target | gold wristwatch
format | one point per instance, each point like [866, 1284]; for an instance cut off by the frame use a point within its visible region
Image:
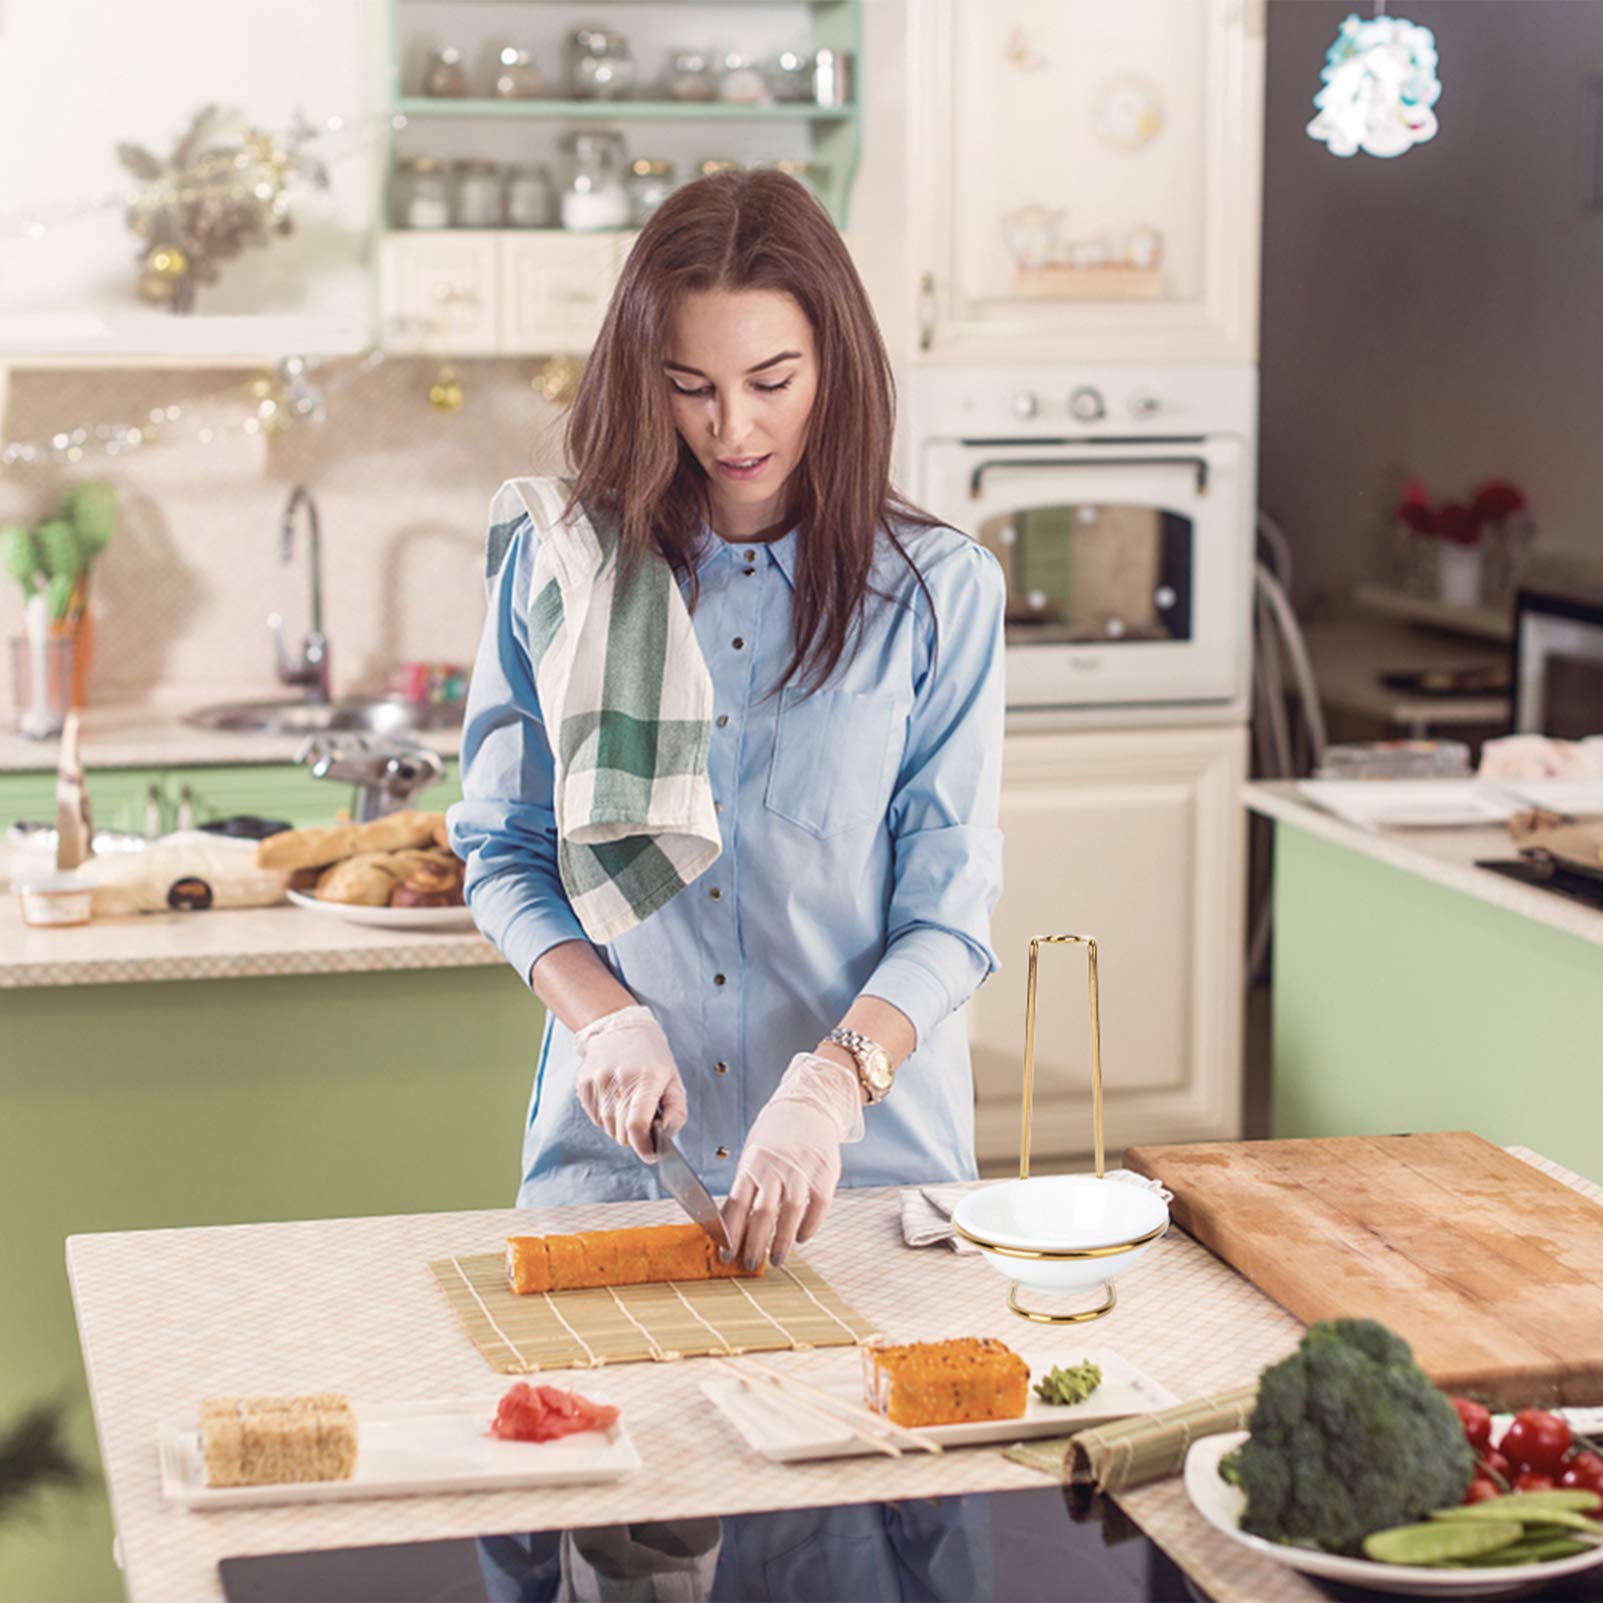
[875, 1071]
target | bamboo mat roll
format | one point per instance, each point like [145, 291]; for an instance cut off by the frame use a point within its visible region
[790, 1308]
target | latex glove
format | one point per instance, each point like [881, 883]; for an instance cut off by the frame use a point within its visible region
[626, 1069]
[790, 1165]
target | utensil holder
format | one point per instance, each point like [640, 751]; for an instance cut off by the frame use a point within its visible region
[1062, 1254]
[58, 679]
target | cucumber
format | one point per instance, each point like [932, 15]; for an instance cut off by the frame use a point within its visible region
[1529, 1553]
[1432, 1543]
[1514, 1505]
[1498, 1509]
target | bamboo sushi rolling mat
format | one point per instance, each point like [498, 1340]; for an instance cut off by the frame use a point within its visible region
[792, 1309]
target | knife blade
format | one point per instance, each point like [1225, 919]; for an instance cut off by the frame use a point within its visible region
[682, 1183]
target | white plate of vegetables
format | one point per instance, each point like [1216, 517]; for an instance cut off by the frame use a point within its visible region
[1358, 1470]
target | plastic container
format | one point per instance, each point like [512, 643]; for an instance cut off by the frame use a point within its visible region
[55, 901]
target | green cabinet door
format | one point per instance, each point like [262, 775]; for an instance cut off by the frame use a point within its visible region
[117, 798]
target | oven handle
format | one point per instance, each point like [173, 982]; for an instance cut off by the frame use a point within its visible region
[977, 477]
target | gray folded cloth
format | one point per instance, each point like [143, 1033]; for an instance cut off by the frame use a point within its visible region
[927, 1210]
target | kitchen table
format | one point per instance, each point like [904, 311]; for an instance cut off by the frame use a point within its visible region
[166, 1317]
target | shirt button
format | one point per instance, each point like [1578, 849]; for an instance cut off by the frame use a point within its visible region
[716, 894]
[718, 979]
[738, 643]
[751, 556]
[720, 1067]
[748, 571]
[723, 1152]
[723, 720]
[717, 807]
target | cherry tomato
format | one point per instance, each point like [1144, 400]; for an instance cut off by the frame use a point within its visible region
[1530, 1481]
[1493, 1461]
[1477, 1423]
[1480, 1489]
[1536, 1440]
[1583, 1473]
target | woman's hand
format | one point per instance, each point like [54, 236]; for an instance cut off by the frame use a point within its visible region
[790, 1165]
[626, 1069]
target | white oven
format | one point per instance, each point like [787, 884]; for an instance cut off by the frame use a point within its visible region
[1120, 506]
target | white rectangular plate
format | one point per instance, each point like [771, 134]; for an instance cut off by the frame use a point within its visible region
[785, 1431]
[410, 1448]
[1412, 803]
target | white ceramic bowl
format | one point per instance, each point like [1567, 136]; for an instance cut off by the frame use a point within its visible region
[1057, 1213]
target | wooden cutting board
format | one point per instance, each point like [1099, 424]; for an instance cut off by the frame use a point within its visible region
[1490, 1269]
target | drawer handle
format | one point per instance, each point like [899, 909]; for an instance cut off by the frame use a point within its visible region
[452, 295]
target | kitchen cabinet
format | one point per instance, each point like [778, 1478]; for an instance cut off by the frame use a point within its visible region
[555, 288]
[1135, 838]
[118, 74]
[439, 292]
[1084, 180]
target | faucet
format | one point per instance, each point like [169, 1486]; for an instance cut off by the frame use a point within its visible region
[311, 671]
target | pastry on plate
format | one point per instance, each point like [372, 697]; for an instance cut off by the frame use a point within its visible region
[367, 880]
[291, 849]
[946, 1382]
[266, 1441]
[396, 831]
[430, 884]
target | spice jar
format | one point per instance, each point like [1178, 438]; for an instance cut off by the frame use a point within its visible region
[600, 65]
[791, 77]
[716, 164]
[531, 197]
[478, 193]
[690, 77]
[741, 82]
[445, 78]
[650, 184]
[812, 173]
[516, 77]
[832, 77]
[420, 193]
[593, 194]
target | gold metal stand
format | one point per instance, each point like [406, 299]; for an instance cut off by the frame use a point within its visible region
[1065, 1254]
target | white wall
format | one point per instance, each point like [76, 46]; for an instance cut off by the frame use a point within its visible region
[1440, 313]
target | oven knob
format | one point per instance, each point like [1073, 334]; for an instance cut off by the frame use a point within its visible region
[1025, 404]
[1145, 404]
[1087, 405]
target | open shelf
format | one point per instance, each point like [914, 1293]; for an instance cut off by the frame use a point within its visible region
[625, 110]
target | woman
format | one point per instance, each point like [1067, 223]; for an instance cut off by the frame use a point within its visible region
[735, 422]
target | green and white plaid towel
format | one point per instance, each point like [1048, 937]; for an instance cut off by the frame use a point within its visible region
[627, 700]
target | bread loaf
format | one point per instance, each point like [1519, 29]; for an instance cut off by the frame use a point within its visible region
[395, 831]
[367, 880]
[306, 848]
[946, 1382]
[615, 1258]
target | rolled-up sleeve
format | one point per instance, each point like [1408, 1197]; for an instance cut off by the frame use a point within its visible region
[505, 827]
[943, 812]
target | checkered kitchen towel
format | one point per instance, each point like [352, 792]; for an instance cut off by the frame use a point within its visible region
[625, 691]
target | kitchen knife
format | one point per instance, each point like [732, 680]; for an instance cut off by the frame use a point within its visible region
[681, 1183]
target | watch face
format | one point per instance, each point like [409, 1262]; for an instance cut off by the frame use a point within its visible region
[877, 1070]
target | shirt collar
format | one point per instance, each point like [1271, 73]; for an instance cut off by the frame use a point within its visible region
[783, 549]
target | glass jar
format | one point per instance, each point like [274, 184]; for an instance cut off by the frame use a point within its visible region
[814, 174]
[531, 197]
[690, 77]
[478, 193]
[516, 76]
[832, 77]
[741, 82]
[716, 164]
[593, 193]
[445, 78]
[791, 77]
[420, 193]
[650, 184]
[600, 65]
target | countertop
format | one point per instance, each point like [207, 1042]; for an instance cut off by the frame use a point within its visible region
[166, 1317]
[1446, 856]
[233, 943]
[158, 737]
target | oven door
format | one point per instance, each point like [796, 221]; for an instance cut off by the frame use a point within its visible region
[1126, 564]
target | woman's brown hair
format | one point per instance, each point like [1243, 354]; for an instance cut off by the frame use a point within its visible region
[748, 231]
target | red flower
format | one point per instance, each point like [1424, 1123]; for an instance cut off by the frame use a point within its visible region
[1416, 516]
[1456, 522]
[1495, 499]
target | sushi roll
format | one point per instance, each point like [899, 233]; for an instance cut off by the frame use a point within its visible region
[946, 1382]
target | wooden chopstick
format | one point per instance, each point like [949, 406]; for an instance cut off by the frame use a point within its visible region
[772, 1382]
[859, 1418]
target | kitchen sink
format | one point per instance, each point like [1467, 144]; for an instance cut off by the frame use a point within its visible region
[374, 716]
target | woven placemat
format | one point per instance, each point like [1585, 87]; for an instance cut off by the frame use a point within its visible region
[792, 1308]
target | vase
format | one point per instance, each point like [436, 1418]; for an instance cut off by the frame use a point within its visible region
[1458, 574]
[77, 636]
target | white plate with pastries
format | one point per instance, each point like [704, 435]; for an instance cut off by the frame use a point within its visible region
[387, 918]
[406, 1449]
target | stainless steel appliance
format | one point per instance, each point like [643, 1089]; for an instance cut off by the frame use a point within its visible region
[1558, 662]
[1120, 505]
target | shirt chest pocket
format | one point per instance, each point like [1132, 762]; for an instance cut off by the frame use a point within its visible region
[836, 757]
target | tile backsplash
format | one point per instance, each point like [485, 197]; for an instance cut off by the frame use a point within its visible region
[181, 597]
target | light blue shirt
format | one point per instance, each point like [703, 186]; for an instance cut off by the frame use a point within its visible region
[860, 853]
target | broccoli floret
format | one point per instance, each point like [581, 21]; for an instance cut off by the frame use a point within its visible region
[1349, 1436]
